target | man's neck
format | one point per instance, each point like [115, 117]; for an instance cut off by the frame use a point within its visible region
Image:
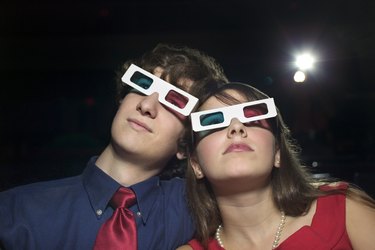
[121, 169]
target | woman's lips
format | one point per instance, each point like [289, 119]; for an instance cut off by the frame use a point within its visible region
[238, 147]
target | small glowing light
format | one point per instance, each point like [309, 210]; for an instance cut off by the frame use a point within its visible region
[314, 164]
[305, 61]
[299, 76]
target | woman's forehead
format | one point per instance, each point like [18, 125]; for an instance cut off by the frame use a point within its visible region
[215, 102]
[236, 94]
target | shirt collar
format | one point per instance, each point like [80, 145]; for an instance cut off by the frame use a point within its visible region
[100, 188]
[147, 193]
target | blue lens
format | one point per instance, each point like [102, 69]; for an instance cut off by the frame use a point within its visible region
[211, 119]
[141, 80]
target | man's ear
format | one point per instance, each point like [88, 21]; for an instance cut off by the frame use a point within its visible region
[277, 159]
[181, 155]
[196, 167]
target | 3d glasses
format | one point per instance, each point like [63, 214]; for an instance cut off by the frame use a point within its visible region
[169, 95]
[244, 112]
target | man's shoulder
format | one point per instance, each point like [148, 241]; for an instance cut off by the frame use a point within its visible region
[174, 187]
[43, 188]
[175, 182]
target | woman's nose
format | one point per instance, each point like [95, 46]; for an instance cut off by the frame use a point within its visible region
[236, 128]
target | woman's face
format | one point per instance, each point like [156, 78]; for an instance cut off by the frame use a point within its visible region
[237, 152]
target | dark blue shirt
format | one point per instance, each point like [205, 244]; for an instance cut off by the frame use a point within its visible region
[67, 213]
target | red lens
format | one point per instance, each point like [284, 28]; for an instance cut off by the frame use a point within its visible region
[176, 99]
[255, 110]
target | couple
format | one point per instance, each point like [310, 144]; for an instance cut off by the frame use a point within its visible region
[245, 186]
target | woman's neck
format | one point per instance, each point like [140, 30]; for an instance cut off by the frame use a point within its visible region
[250, 219]
[247, 208]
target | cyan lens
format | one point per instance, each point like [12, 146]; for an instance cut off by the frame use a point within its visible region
[212, 118]
[141, 80]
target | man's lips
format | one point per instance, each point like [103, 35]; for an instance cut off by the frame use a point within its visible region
[138, 125]
[238, 147]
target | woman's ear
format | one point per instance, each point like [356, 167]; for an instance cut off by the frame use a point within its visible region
[277, 159]
[196, 167]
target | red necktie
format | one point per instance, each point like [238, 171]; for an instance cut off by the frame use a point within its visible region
[120, 231]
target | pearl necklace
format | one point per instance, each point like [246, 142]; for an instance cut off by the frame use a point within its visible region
[277, 235]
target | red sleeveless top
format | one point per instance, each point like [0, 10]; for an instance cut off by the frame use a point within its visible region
[327, 230]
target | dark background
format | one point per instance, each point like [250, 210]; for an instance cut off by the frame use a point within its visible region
[58, 61]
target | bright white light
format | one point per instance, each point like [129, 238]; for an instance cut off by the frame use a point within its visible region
[299, 76]
[305, 61]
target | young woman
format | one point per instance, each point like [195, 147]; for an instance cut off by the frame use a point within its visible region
[248, 190]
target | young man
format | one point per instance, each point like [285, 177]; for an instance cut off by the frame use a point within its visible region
[147, 135]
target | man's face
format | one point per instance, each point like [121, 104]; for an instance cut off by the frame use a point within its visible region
[144, 130]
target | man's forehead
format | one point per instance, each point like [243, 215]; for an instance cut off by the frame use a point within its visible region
[158, 71]
[185, 83]
[182, 83]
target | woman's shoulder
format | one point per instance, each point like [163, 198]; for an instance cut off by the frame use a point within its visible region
[185, 247]
[345, 200]
[334, 186]
[360, 221]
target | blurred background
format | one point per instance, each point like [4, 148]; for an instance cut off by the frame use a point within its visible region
[58, 62]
